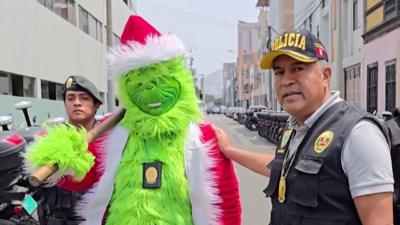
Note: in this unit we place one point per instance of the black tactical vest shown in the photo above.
(61, 205)
(317, 190)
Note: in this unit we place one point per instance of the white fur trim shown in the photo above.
(203, 193)
(133, 55)
(94, 202)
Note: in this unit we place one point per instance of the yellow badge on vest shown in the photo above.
(323, 141)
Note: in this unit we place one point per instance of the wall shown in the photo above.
(40, 43)
(373, 52)
(37, 42)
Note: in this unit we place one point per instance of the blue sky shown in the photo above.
(208, 27)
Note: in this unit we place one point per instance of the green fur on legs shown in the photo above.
(168, 205)
(65, 147)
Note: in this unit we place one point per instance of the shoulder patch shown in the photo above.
(323, 141)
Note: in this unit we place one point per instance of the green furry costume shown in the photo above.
(155, 138)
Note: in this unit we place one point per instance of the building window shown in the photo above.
(90, 25)
(352, 90)
(246, 88)
(115, 40)
(47, 3)
(355, 15)
(372, 88)
(248, 59)
(29, 86)
(390, 85)
(247, 74)
(4, 83)
(310, 23)
(323, 3)
(51, 90)
(389, 9)
(83, 20)
(22, 86)
(63, 8)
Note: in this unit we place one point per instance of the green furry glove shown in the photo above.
(64, 146)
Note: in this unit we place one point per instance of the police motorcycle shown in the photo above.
(30, 132)
(242, 117)
(20, 203)
(282, 123)
(251, 121)
(263, 123)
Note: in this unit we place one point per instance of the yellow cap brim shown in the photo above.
(266, 61)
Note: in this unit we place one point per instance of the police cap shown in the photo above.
(301, 45)
(79, 83)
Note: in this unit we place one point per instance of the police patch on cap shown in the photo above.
(323, 141)
(68, 84)
(301, 45)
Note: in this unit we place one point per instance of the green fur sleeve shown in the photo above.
(64, 146)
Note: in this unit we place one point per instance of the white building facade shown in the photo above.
(229, 77)
(45, 41)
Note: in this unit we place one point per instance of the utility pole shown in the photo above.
(110, 82)
(339, 50)
(271, 105)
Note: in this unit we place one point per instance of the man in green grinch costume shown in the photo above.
(159, 166)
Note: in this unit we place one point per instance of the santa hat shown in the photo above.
(142, 45)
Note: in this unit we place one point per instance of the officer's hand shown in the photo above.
(224, 142)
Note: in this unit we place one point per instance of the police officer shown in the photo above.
(332, 164)
(82, 100)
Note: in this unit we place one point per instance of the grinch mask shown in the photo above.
(160, 99)
(154, 90)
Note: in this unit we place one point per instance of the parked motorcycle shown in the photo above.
(20, 203)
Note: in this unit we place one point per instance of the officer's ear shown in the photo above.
(97, 105)
(326, 71)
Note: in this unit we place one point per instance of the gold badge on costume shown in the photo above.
(323, 141)
(152, 175)
(68, 84)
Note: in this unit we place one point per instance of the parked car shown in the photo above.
(216, 110)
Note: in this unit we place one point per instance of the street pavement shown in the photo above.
(255, 207)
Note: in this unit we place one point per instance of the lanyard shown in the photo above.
(287, 164)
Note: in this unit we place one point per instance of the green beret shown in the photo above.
(79, 83)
